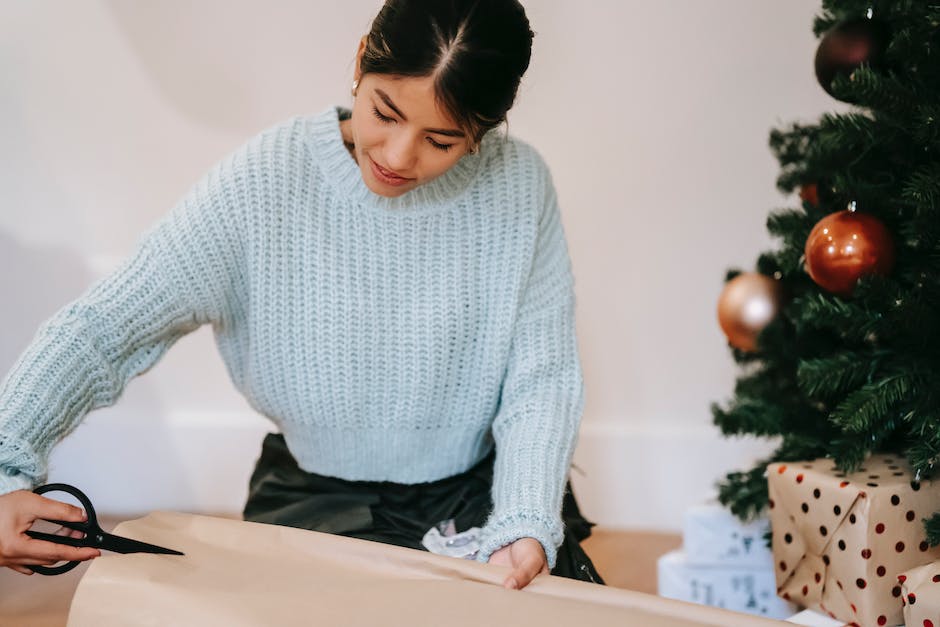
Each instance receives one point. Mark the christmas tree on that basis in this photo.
(842, 357)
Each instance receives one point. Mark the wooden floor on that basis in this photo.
(624, 559)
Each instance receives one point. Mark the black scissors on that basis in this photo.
(95, 537)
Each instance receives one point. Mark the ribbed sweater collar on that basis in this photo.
(342, 171)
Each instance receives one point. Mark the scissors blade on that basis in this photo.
(118, 544)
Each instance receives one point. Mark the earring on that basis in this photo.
(355, 87)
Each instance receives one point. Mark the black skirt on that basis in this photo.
(281, 493)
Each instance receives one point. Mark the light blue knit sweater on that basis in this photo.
(390, 339)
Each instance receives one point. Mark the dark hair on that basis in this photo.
(475, 50)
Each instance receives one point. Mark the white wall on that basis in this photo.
(652, 115)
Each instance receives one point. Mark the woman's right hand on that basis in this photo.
(18, 511)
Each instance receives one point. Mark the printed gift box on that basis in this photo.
(711, 535)
(840, 541)
(747, 589)
(920, 592)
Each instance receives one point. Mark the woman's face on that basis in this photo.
(402, 137)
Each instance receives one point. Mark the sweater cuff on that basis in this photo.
(499, 532)
(11, 483)
(18, 467)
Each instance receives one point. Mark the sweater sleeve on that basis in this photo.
(536, 426)
(179, 277)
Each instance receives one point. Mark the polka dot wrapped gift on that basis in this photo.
(840, 541)
(920, 594)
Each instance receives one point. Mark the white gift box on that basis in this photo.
(809, 618)
(748, 589)
(712, 535)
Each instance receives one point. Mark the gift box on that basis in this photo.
(840, 541)
(739, 588)
(919, 590)
(711, 535)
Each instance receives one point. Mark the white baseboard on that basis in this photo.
(201, 462)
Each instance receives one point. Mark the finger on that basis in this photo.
(50, 509)
(71, 533)
(20, 569)
(523, 574)
(49, 561)
(51, 552)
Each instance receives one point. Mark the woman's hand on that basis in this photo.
(18, 511)
(527, 559)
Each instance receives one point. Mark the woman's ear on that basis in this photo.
(357, 72)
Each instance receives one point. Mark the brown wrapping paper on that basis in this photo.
(238, 574)
(839, 542)
(920, 593)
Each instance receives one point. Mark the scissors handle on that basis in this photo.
(94, 535)
(89, 528)
(78, 494)
(51, 537)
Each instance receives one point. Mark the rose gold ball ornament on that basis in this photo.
(747, 304)
(845, 246)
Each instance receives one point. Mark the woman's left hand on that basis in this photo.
(527, 559)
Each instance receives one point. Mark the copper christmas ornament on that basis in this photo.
(846, 47)
(846, 245)
(809, 193)
(747, 304)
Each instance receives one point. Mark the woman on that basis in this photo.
(389, 285)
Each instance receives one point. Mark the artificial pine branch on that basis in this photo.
(872, 402)
(932, 526)
(845, 376)
(922, 189)
(831, 377)
(745, 493)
